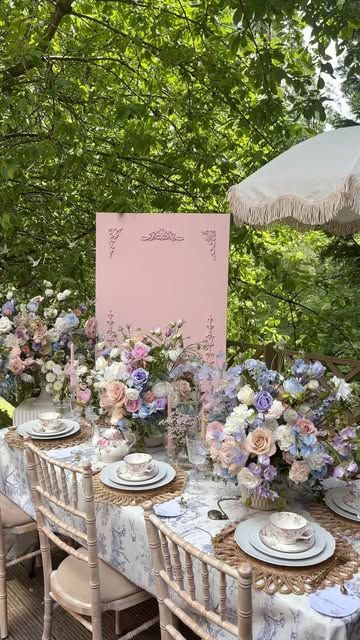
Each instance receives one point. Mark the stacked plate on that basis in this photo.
(343, 502)
(115, 475)
(34, 429)
(255, 537)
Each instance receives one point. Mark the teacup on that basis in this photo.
(290, 527)
(138, 464)
(50, 420)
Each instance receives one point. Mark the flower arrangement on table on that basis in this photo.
(264, 426)
(135, 381)
(35, 342)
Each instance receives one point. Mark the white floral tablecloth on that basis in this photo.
(122, 542)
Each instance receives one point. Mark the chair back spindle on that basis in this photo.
(173, 564)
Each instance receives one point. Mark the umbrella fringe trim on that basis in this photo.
(298, 211)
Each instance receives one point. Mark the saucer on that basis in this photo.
(342, 500)
(123, 473)
(268, 537)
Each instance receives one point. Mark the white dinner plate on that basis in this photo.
(169, 476)
(337, 495)
(341, 512)
(318, 546)
(242, 538)
(75, 427)
(31, 428)
(112, 474)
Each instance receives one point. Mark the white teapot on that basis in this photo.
(113, 445)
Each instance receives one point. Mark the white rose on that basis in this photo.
(275, 411)
(114, 353)
(63, 294)
(9, 295)
(57, 385)
(342, 389)
(162, 389)
(46, 283)
(61, 326)
(50, 377)
(313, 385)
(82, 370)
(246, 395)
(116, 371)
(49, 292)
(50, 364)
(237, 418)
(48, 388)
(100, 364)
(248, 479)
(174, 354)
(11, 341)
(132, 394)
(5, 325)
(285, 435)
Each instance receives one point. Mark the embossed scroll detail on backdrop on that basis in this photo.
(153, 268)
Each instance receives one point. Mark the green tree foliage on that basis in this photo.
(139, 105)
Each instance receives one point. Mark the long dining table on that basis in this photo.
(122, 542)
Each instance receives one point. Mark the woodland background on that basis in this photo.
(150, 105)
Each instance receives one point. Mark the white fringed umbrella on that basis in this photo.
(316, 182)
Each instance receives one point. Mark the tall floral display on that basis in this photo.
(265, 426)
(37, 338)
(136, 381)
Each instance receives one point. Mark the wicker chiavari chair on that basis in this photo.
(173, 567)
(13, 520)
(82, 584)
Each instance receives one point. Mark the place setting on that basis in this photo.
(345, 501)
(285, 539)
(136, 478)
(49, 425)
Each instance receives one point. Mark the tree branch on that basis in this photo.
(62, 8)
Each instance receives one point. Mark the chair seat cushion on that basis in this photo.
(11, 514)
(72, 579)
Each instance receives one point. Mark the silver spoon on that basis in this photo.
(219, 514)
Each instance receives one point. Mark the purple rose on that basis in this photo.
(140, 376)
(263, 401)
(8, 308)
(160, 404)
(352, 467)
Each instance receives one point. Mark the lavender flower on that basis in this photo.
(263, 401)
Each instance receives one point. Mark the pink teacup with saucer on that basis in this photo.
(290, 528)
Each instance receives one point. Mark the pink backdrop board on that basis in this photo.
(153, 268)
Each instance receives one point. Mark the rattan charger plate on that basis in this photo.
(107, 495)
(13, 439)
(291, 580)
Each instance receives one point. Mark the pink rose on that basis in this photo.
(261, 442)
(91, 328)
(40, 332)
(15, 352)
(149, 397)
(306, 427)
(299, 471)
(132, 406)
(229, 457)
(25, 348)
(140, 351)
(214, 431)
(16, 366)
(83, 395)
(28, 362)
(115, 394)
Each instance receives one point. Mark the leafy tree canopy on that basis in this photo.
(146, 105)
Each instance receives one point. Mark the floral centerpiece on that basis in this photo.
(135, 381)
(264, 426)
(35, 342)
